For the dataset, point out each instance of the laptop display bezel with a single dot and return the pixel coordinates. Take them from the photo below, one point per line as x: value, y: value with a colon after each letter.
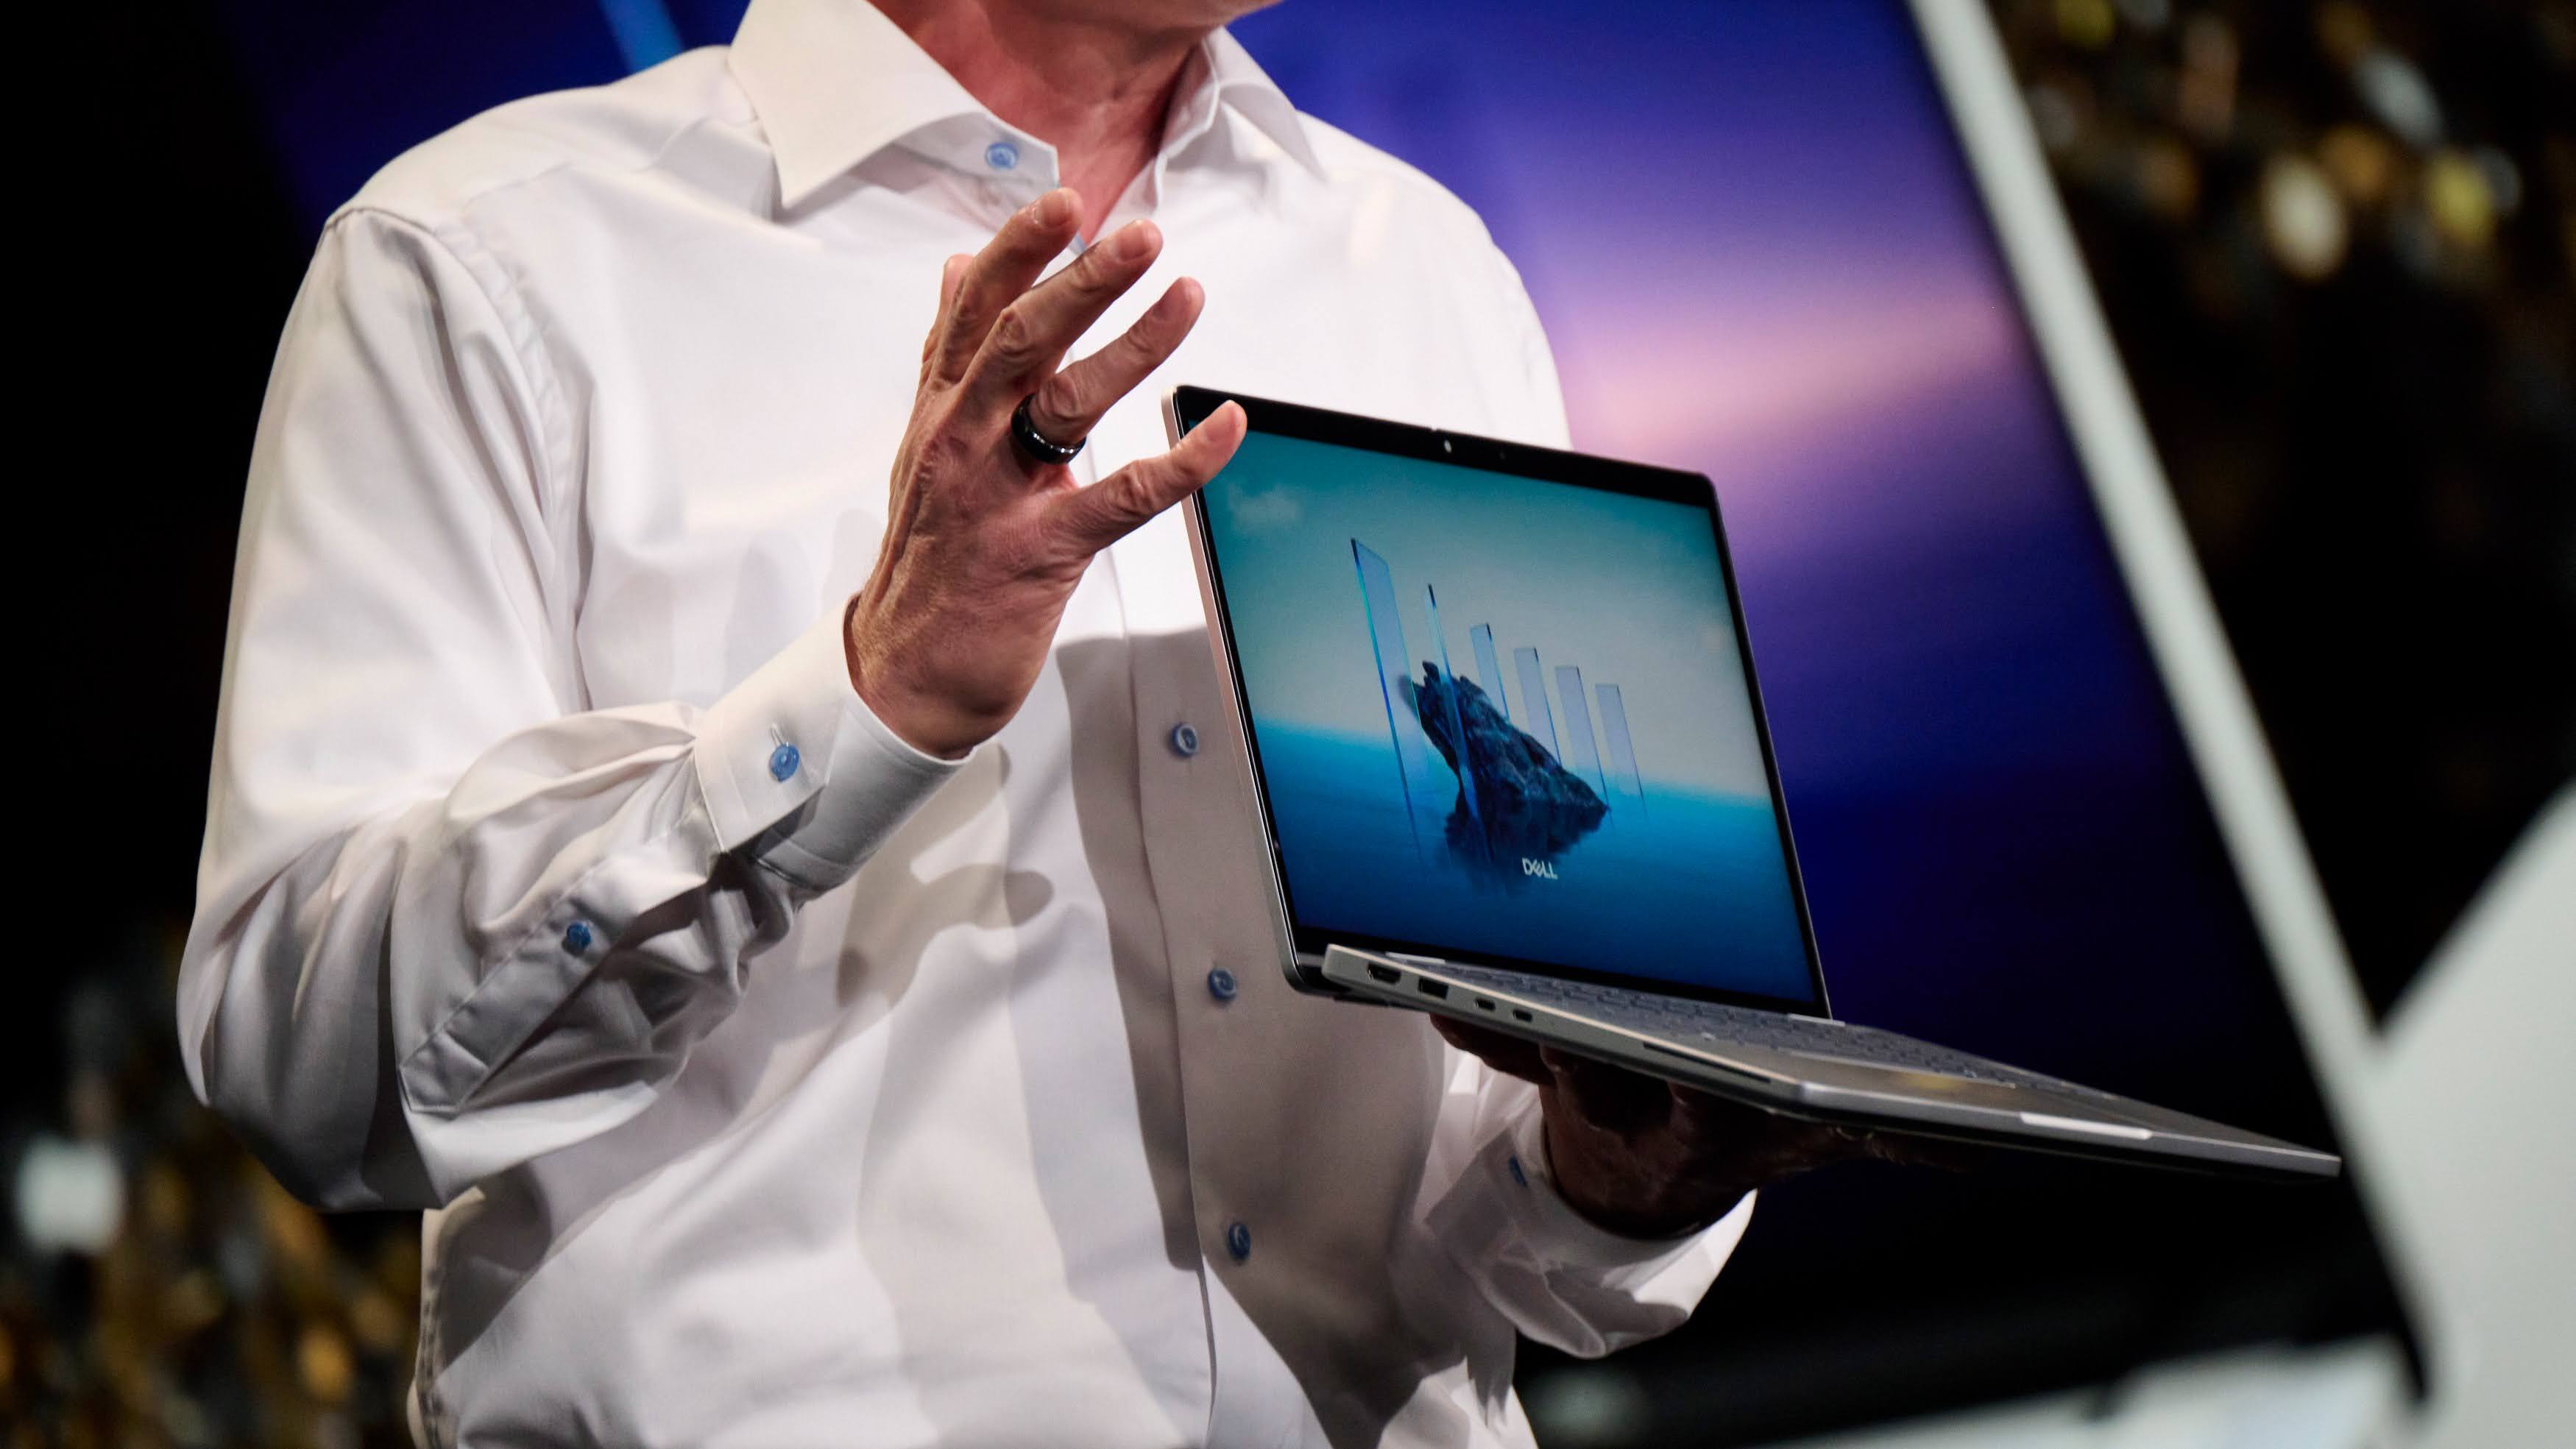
x: 1191, y: 406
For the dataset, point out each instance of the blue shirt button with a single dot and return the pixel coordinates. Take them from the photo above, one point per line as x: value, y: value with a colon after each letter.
x: 577, y: 937
x: 783, y: 762
x: 1221, y: 984
x: 1001, y: 155
x: 1185, y: 739
x: 1238, y: 1241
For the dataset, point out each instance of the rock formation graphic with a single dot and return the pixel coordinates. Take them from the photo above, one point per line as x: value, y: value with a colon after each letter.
x: 1525, y: 805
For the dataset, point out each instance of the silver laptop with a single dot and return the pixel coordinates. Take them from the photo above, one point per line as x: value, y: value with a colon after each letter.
x: 1512, y: 765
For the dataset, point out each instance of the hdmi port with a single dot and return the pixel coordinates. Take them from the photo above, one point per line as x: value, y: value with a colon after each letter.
x: 1430, y: 988
x: 1387, y: 974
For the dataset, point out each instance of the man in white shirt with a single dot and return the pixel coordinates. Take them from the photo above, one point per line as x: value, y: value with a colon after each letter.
x: 795, y: 935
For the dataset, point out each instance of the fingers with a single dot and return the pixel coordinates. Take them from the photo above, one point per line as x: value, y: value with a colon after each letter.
x: 1906, y: 1150
x: 950, y: 272
x: 1612, y: 1098
x: 1071, y: 403
x: 1090, y: 519
x: 1033, y: 331
x: 997, y: 276
x: 1505, y: 1053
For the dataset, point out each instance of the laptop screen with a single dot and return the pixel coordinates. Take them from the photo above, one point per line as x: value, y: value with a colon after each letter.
x: 1504, y: 717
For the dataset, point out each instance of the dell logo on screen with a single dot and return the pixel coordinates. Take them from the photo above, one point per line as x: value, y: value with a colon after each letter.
x: 1543, y: 869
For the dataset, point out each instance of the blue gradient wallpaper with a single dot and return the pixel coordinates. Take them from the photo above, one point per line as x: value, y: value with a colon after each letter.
x: 1606, y: 806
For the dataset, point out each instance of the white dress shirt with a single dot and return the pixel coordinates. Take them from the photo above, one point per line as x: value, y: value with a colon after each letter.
x: 772, y: 1083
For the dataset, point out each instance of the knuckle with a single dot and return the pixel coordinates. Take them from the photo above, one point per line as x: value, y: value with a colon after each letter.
x: 1063, y: 398
x: 1013, y: 334
x: 1145, y: 341
x: 1136, y: 495
x: 1092, y: 271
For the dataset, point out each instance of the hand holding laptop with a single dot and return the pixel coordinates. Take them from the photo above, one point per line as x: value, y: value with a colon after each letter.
x: 1648, y: 1158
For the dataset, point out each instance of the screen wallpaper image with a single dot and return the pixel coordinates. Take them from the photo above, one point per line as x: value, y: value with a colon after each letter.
x: 1503, y: 716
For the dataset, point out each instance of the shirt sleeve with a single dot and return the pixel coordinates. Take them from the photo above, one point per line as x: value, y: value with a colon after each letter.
x: 1490, y: 1199
x: 449, y: 917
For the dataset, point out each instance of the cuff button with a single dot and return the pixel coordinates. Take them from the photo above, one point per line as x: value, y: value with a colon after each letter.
x: 783, y: 762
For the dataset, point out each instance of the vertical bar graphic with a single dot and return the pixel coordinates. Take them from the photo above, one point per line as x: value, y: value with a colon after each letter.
x: 1386, y: 636
x: 1580, y: 756
x: 1619, y: 751
x: 1488, y: 672
x: 1466, y: 769
x: 1542, y: 720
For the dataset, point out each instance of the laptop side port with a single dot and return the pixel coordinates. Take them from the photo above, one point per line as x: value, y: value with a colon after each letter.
x: 1520, y: 1015
x: 1387, y: 974
x: 1437, y: 989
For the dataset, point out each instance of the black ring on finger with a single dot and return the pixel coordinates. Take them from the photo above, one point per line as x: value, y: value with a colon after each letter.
x: 1035, y: 446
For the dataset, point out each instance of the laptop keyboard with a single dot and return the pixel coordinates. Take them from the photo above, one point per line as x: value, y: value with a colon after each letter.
x: 1684, y: 1020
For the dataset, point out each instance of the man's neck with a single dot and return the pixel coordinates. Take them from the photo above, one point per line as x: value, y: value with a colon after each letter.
x: 1093, y: 87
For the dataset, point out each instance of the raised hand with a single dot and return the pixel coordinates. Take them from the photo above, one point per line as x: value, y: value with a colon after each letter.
x: 982, y: 545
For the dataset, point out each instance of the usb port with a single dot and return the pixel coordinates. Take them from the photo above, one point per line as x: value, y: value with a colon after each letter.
x: 1429, y: 987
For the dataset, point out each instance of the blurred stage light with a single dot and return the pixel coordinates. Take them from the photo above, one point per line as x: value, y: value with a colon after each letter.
x: 2302, y: 220
x: 2205, y: 97
x: 2086, y: 23
x: 2361, y: 161
x: 2147, y: 14
x: 2503, y: 178
x: 1587, y: 1406
x: 2345, y: 32
x: 2397, y: 94
x: 71, y: 1196
x: 2457, y: 198
x: 2168, y: 179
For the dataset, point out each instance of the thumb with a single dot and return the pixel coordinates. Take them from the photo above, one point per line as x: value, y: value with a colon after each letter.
x: 1090, y: 519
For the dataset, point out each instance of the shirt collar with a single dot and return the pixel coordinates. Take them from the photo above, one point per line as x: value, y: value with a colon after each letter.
x: 834, y: 82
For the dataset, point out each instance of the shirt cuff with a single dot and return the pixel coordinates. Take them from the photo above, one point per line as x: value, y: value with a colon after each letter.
x: 794, y: 763
x: 1557, y: 1233
x: 1558, y: 1278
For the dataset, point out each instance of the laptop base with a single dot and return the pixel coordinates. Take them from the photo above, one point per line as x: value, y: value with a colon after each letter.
x: 1821, y: 1071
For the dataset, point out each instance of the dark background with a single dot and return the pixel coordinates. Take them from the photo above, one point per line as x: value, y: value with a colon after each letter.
x: 2374, y: 444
